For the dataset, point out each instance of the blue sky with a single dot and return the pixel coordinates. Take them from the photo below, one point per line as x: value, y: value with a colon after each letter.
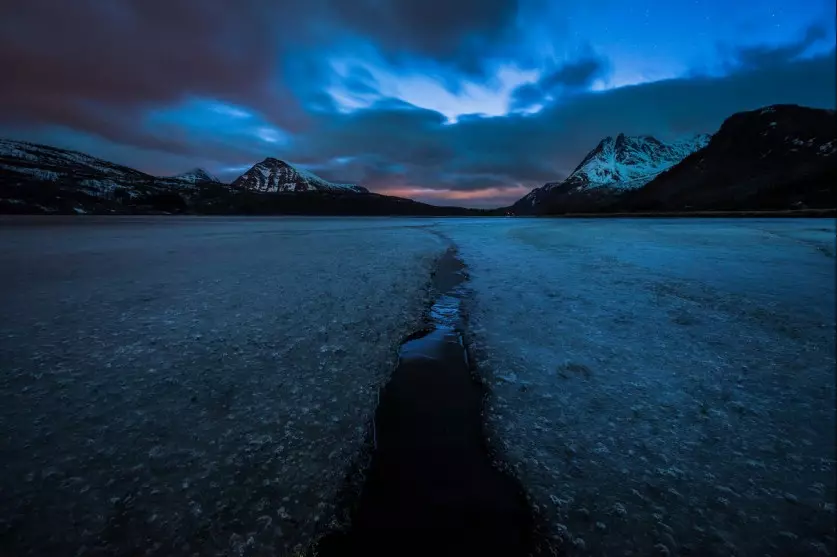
x: 470, y: 102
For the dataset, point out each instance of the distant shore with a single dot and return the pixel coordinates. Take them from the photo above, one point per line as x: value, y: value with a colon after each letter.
x: 795, y: 213
x: 457, y: 213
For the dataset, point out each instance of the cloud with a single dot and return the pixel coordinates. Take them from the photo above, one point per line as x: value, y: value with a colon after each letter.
x: 529, y: 149
x: 461, y: 33
x: 77, y: 63
x: 763, y: 56
x: 570, y: 77
x: 360, y: 80
x: 466, y: 100
x: 100, y: 67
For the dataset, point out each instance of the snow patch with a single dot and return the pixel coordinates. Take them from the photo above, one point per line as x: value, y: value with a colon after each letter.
x: 631, y: 162
x: 52, y: 156
x: 272, y: 175
x: 41, y: 174
x: 102, y: 187
x: 195, y: 176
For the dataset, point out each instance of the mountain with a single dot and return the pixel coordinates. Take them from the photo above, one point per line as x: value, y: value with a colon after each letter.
x: 38, y: 179
x: 615, y: 166
x: 197, y: 176
x: 272, y: 175
x: 776, y: 158
x: 51, y: 164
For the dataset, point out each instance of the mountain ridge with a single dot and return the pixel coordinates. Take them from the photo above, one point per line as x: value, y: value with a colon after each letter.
x: 618, y: 163
x: 40, y: 179
x: 273, y: 175
x: 775, y: 158
x: 196, y: 175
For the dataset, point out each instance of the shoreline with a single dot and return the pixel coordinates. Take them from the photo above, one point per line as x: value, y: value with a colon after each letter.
x: 791, y: 213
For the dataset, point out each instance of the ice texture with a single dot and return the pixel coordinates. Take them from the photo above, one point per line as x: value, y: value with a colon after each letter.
x: 662, y: 387
x: 179, y: 386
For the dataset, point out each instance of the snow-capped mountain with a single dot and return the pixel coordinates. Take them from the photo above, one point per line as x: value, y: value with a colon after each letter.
x: 43, y: 179
x: 273, y: 175
x: 775, y: 158
x: 614, y: 166
x: 22, y: 162
x: 631, y: 162
x: 196, y: 176
x: 52, y: 164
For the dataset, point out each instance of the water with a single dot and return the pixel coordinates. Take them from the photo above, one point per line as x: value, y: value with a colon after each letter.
x: 431, y: 488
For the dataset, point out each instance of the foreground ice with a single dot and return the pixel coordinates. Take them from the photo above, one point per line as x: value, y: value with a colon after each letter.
x: 192, y: 386
x: 662, y: 387
x: 199, y: 386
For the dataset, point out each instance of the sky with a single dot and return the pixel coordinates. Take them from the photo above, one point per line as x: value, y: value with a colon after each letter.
x: 453, y: 102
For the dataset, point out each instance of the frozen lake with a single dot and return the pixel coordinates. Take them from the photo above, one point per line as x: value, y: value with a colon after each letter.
x: 202, y: 385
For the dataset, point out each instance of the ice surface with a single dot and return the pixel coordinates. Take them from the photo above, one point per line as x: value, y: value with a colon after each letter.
x: 201, y: 383
x: 659, y: 386
x: 662, y: 387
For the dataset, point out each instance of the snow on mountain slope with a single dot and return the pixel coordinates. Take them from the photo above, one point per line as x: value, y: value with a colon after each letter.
x: 29, y: 158
x: 776, y: 158
x: 622, y: 163
x: 272, y: 175
x: 631, y: 162
x: 196, y: 176
x: 39, y: 178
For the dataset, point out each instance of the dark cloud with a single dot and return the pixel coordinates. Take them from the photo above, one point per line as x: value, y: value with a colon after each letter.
x: 98, y: 67
x: 360, y: 80
x: 102, y: 69
x: 576, y: 75
x: 461, y: 33
x: 140, y: 52
x: 762, y: 56
x: 66, y: 63
x: 392, y: 130
x: 532, y: 149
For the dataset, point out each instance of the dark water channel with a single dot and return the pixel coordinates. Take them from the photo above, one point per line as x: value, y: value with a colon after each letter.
x: 431, y: 488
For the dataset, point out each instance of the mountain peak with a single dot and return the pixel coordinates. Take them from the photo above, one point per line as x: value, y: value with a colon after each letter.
x: 618, y: 164
x: 769, y: 158
x: 196, y: 175
x: 274, y: 175
x: 273, y: 161
x: 606, y: 141
x: 624, y: 161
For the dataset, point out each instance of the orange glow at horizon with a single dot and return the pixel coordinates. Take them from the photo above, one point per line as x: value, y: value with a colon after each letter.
x: 458, y: 195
